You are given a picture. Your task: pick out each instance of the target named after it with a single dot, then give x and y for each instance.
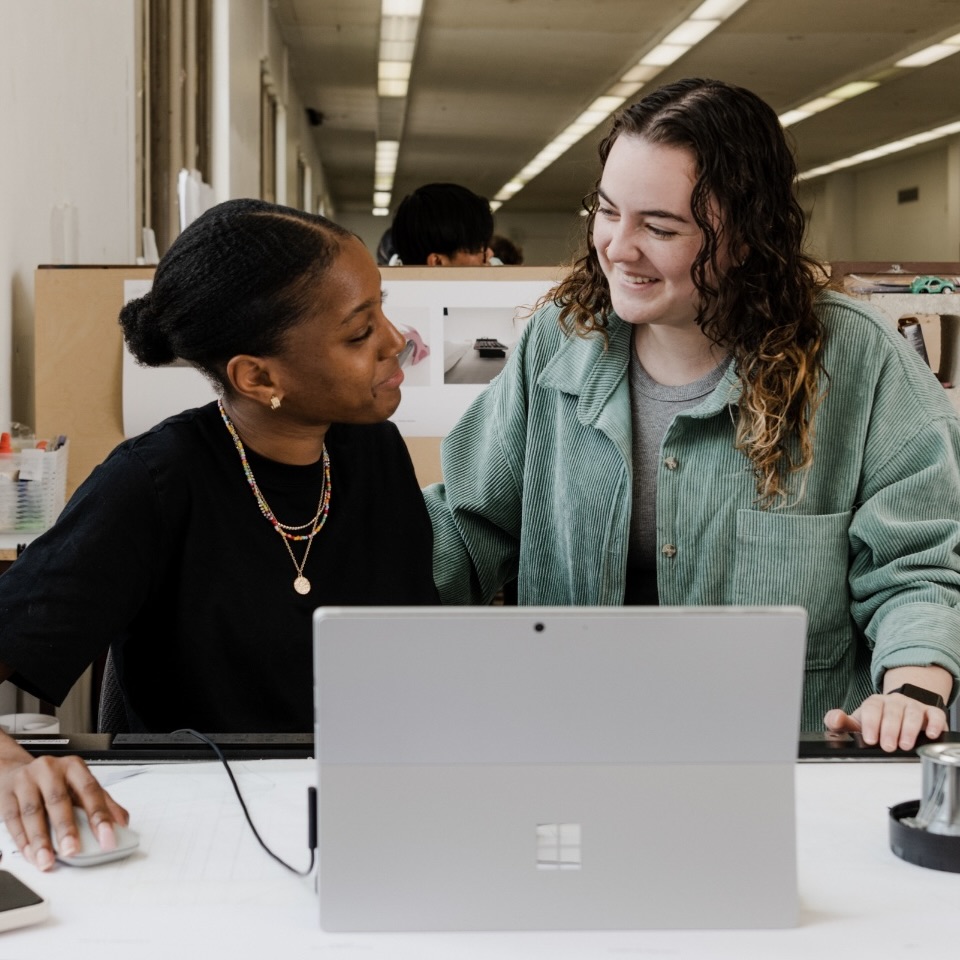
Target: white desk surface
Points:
(202, 887)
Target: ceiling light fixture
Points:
(700, 24)
(931, 54)
(847, 92)
(716, 9)
(399, 28)
(922, 58)
(884, 150)
(385, 166)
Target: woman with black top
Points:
(198, 551)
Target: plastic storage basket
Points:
(33, 486)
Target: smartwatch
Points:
(921, 694)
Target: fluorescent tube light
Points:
(664, 54)
(691, 31)
(401, 8)
(625, 90)
(399, 26)
(923, 58)
(397, 50)
(392, 88)
(847, 92)
(640, 73)
(703, 21)
(850, 90)
(793, 116)
(895, 146)
(716, 9)
(606, 104)
(393, 70)
(399, 29)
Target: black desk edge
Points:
(150, 747)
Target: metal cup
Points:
(940, 777)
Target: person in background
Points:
(505, 251)
(442, 225)
(693, 418)
(198, 551)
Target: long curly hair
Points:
(761, 308)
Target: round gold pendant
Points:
(301, 585)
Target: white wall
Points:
(246, 36)
(300, 142)
(68, 122)
(855, 215)
(547, 239)
(69, 146)
(238, 28)
(886, 228)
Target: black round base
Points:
(934, 850)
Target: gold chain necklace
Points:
(301, 584)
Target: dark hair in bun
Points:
(233, 282)
(143, 334)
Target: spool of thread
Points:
(940, 801)
(927, 831)
(911, 330)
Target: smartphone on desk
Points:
(19, 905)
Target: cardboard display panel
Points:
(78, 351)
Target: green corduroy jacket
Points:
(537, 485)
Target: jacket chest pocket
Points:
(803, 560)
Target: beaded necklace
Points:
(301, 584)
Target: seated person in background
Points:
(505, 251)
(692, 418)
(442, 225)
(199, 550)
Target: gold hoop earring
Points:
(274, 402)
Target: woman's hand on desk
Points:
(893, 720)
(38, 794)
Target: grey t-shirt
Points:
(653, 407)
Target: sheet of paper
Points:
(450, 316)
(150, 394)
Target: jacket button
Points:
(668, 550)
(671, 463)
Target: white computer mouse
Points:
(91, 853)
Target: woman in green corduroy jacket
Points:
(693, 417)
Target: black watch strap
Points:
(921, 694)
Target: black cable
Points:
(311, 814)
